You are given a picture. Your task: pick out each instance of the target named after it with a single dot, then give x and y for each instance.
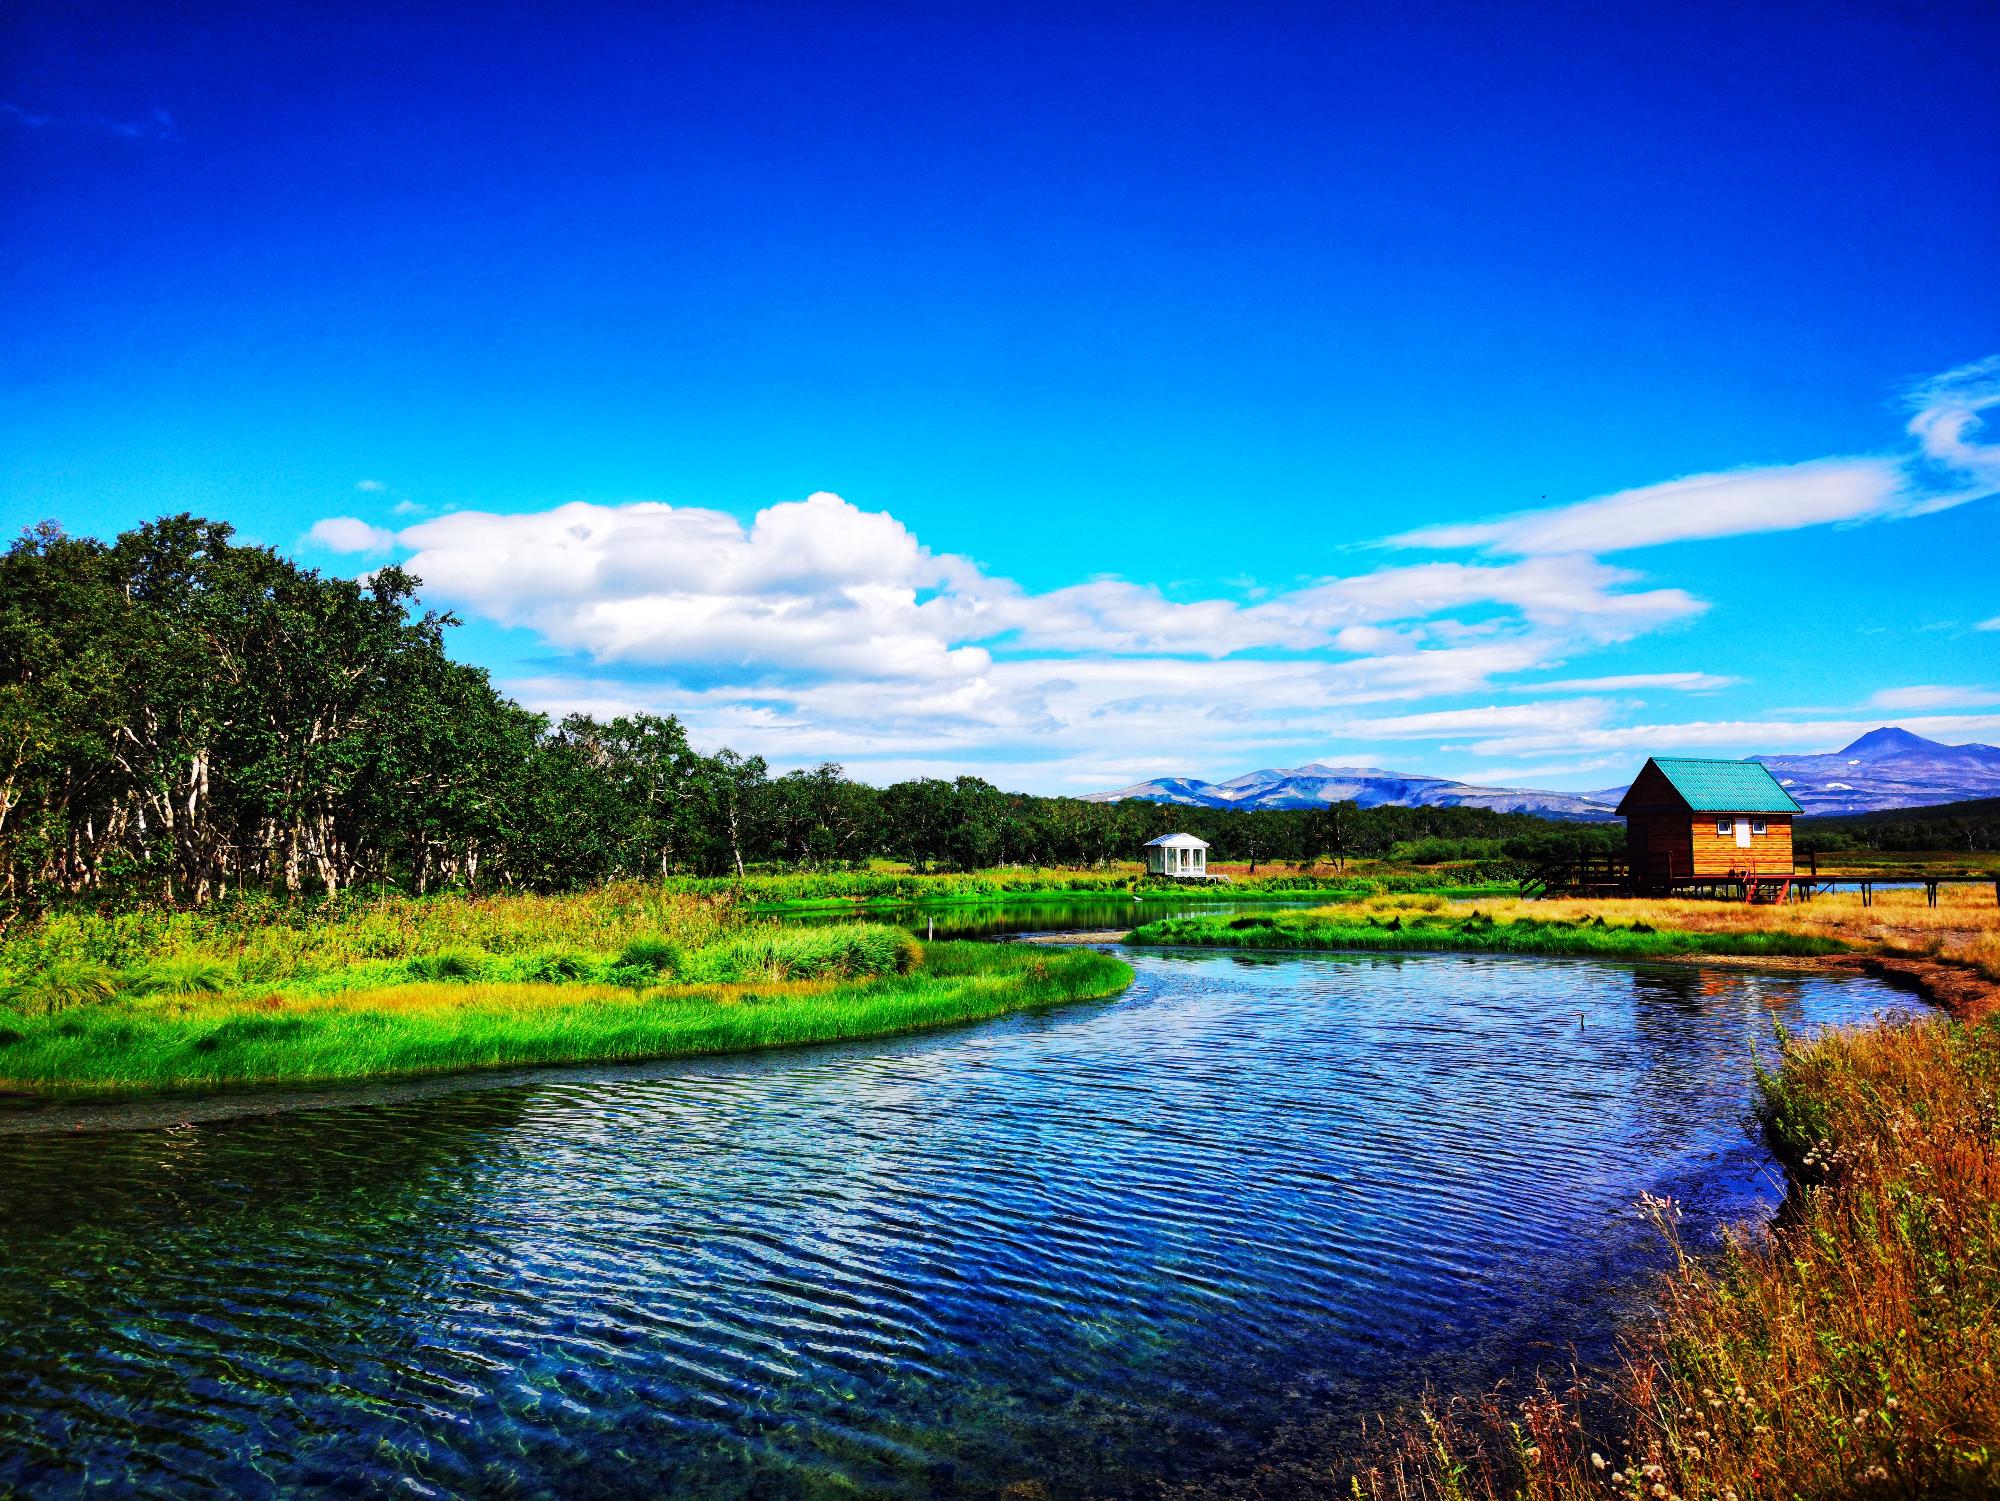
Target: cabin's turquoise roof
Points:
(1726, 786)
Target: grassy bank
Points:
(1472, 931)
(165, 1040)
(1855, 1352)
(257, 992)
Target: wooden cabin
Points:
(1177, 855)
(1687, 819)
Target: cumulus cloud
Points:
(821, 629)
(820, 587)
(1945, 468)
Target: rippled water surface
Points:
(1097, 1248)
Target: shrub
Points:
(61, 985)
(662, 956)
(450, 964)
(547, 966)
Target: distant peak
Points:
(1890, 741)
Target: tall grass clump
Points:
(662, 956)
(843, 951)
(179, 974)
(1852, 1352)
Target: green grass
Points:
(264, 941)
(866, 889)
(1475, 933)
(205, 1040)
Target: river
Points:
(1091, 1251)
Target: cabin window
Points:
(1759, 826)
(1725, 826)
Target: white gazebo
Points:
(1177, 855)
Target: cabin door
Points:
(1743, 833)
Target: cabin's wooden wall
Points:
(1675, 845)
(1657, 844)
(1719, 854)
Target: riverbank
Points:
(142, 1045)
(1852, 1351)
(264, 995)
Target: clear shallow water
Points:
(1102, 1248)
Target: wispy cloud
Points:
(1944, 468)
(1933, 696)
(370, 486)
(158, 125)
(1660, 682)
(1989, 625)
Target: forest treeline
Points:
(183, 717)
(1971, 827)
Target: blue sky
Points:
(1206, 387)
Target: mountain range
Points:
(1885, 768)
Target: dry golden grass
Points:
(1963, 928)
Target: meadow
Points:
(260, 994)
(886, 886)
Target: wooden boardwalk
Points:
(1612, 875)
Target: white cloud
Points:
(1989, 625)
(1682, 510)
(1668, 682)
(370, 486)
(1932, 696)
(1945, 468)
(819, 589)
(350, 534)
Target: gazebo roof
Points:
(1177, 842)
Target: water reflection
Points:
(1098, 1248)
